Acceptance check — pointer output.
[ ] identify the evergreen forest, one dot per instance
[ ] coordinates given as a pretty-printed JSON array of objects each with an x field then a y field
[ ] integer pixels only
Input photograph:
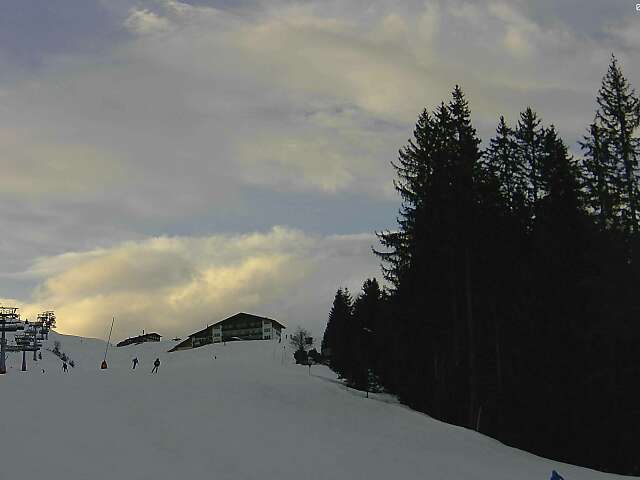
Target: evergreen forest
[{"x": 510, "y": 303}]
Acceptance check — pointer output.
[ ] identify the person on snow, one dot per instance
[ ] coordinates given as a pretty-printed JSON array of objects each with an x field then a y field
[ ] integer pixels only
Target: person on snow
[
  {"x": 156, "y": 364},
  {"x": 39, "y": 355},
  {"x": 556, "y": 476},
  {"x": 64, "y": 367},
  {"x": 135, "y": 363}
]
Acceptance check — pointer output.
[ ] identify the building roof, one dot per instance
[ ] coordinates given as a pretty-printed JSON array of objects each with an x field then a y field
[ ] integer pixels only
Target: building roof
[
  {"x": 237, "y": 316},
  {"x": 200, "y": 333},
  {"x": 138, "y": 339},
  {"x": 244, "y": 315},
  {"x": 207, "y": 331}
]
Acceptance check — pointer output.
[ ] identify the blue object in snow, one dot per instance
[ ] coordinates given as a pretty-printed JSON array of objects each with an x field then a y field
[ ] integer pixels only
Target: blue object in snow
[{"x": 556, "y": 476}]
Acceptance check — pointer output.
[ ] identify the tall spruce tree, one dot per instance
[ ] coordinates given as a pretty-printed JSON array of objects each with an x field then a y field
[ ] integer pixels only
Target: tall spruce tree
[
  {"x": 503, "y": 162},
  {"x": 529, "y": 136},
  {"x": 364, "y": 334},
  {"x": 421, "y": 178},
  {"x": 599, "y": 172},
  {"x": 414, "y": 170},
  {"x": 434, "y": 242},
  {"x": 331, "y": 330},
  {"x": 559, "y": 261},
  {"x": 466, "y": 157},
  {"x": 560, "y": 175},
  {"x": 618, "y": 117},
  {"x": 335, "y": 336}
]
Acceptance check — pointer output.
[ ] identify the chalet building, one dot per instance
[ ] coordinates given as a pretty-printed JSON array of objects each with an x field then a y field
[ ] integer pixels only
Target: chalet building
[
  {"x": 241, "y": 326},
  {"x": 146, "y": 337}
]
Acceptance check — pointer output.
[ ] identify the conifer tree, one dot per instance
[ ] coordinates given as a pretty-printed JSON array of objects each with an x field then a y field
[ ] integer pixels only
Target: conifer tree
[
  {"x": 431, "y": 258},
  {"x": 618, "y": 117},
  {"x": 414, "y": 170},
  {"x": 363, "y": 333},
  {"x": 502, "y": 213},
  {"x": 599, "y": 171},
  {"x": 331, "y": 330},
  {"x": 529, "y": 136},
  {"x": 559, "y": 174},
  {"x": 422, "y": 241},
  {"x": 503, "y": 162},
  {"x": 335, "y": 336},
  {"x": 466, "y": 154}
]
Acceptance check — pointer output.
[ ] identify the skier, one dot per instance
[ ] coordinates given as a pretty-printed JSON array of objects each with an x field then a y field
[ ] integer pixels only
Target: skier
[
  {"x": 135, "y": 363},
  {"x": 64, "y": 367},
  {"x": 556, "y": 476},
  {"x": 156, "y": 364}
]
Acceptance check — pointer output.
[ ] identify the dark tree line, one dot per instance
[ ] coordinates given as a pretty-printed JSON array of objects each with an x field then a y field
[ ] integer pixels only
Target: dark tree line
[{"x": 512, "y": 305}]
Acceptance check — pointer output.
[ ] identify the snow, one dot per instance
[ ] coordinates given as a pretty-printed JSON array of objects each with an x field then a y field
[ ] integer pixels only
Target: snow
[{"x": 245, "y": 415}]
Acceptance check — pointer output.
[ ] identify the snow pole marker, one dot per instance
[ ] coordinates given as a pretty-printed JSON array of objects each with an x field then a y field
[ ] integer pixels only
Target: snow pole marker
[
  {"x": 103, "y": 366},
  {"x": 3, "y": 342}
]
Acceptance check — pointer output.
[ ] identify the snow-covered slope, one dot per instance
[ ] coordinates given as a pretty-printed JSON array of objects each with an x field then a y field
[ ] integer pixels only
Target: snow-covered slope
[{"x": 244, "y": 415}]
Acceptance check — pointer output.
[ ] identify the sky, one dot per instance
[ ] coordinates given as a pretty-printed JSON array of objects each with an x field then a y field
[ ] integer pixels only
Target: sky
[{"x": 172, "y": 163}]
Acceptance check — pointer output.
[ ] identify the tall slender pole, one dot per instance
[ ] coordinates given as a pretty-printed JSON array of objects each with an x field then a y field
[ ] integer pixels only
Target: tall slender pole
[
  {"x": 104, "y": 362},
  {"x": 24, "y": 360},
  {"x": 3, "y": 341},
  {"x": 109, "y": 340},
  {"x": 35, "y": 343}
]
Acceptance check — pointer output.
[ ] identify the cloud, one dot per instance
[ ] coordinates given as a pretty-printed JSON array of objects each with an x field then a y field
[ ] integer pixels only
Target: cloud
[
  {"x": 178, "y": 284},
  {"x": 369, "y": 66},
  {"x": 627, "y": 33},
  {"x": 296, "y": 163},
  {"x": 234, "y": 93},
  {"x": 336, "y": 150},
  {"x": 43, "y": 169},
  {"x": 143, "y": 21}
]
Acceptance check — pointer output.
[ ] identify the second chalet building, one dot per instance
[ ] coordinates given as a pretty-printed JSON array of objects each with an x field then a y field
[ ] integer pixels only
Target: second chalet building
[
  {"x": 145, "y": 337},
  {"x": 241, "y": 326}
]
